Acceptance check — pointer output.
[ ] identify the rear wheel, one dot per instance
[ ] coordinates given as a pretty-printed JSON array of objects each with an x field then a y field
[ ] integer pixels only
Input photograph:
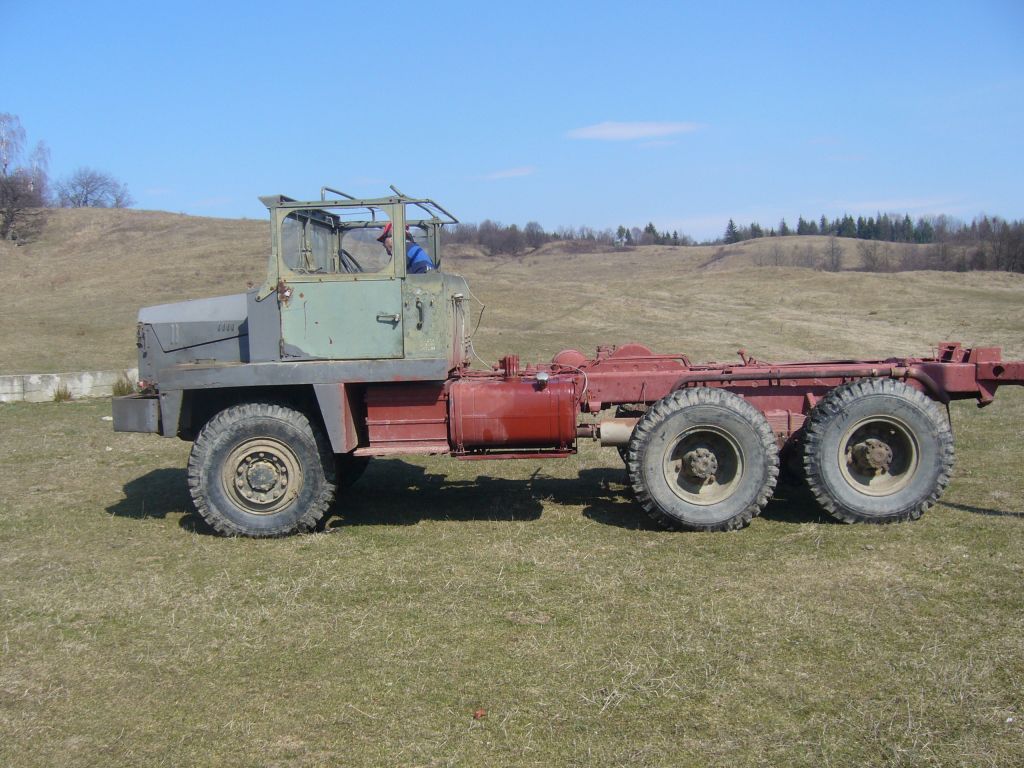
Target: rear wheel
[
  {"x": 878, "y": 451},
  {"x": 261, "y": 469},
  {"x": 703, "y": 460}
]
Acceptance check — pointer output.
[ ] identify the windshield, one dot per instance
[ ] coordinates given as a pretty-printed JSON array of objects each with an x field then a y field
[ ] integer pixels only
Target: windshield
[{"x": 326, "y": 241}]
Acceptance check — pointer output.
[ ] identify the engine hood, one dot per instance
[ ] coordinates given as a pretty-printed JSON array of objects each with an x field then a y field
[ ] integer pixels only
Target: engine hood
[{"x": 200, "y": 321}]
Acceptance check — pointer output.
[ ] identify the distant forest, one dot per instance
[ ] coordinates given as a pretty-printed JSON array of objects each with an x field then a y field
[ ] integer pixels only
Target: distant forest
[{"x": 986, "y": 243}]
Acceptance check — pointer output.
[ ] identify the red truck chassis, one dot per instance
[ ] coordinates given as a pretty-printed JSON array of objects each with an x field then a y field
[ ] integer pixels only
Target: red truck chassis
[
  {"x": 701, "y": 443},
  {"x": 475, "y": 414}
]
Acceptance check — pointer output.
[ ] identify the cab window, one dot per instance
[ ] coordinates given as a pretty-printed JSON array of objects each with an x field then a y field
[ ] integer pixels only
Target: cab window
[{"x": 317, "y": 242}]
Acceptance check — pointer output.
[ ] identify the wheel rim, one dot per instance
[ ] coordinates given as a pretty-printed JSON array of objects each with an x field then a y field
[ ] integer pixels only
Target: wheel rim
[
  {"x": 703, "y": 465},
  {"x": 262, "y": 475},
  {"x": 878, "y": 456}
]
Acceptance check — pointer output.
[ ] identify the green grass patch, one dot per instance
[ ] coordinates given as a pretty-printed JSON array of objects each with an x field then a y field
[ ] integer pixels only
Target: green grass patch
[
  {"x": 123, "y": 386},
  {"x": 62, "y": 393}
]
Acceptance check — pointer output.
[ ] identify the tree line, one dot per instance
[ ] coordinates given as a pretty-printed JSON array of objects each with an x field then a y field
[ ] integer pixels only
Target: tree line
[
  {"x": 883, "y": 241},
  {"x": 497, "y": 238},
  {"x": 892, "y": 228},
  {"x": 26, "y": 189},
  {"x": 986, "y": 243}
]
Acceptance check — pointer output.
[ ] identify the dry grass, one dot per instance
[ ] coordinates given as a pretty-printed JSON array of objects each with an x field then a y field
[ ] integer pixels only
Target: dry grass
[
  {"x": 530, "y": 590},
  {"x": 80, "y": 285}
]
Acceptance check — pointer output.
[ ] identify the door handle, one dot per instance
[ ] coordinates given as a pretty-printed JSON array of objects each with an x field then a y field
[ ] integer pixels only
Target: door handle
[
  {"x": 383, "y": 317},
  {"x": 419, "y": 313}
]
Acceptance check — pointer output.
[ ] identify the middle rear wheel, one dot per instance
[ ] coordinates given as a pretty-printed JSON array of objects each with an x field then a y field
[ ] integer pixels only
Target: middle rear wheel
[{"x": 703, "y": 460}]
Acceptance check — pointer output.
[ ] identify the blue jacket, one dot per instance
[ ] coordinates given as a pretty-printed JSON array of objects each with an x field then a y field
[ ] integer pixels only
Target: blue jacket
[{"x": 417, "y": 261}]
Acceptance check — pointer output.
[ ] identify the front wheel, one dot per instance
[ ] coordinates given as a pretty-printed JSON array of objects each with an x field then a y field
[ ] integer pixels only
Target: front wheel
[
  {"x": 261, "y": 469},
  {"x": 703, "y": 460},
  {"x": 877, "y": 451}
]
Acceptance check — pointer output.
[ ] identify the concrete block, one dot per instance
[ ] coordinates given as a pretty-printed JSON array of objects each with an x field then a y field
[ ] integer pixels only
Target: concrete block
[{"x": 40, "y": 387}]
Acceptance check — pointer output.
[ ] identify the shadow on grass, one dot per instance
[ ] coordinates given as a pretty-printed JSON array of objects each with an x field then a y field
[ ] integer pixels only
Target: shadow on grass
[
  {"x": 394, "y": 492},
  {"x": 982, "y": 510},
  {"x": 793, "y": 502},
  {"x": 158, "y": 493}
]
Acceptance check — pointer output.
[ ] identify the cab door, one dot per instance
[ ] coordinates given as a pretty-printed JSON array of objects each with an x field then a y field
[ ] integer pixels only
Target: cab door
[
  {"x": 334, "y": 304},
  {"x": 343, "y": 320}
]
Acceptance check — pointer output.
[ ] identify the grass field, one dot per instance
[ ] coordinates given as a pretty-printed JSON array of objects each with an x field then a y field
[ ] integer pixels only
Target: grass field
[{"x": 512, "y": 613}]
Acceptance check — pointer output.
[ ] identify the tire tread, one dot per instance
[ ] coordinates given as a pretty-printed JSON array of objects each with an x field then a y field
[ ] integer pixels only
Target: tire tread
[
  {"x": 672, "y": 404},
  {"x": 833, "y": 404},
  {"x": 200, "y": 457}
]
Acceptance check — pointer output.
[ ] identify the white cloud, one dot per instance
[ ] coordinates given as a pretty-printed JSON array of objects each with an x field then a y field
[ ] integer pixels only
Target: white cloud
[
  {"x": 512, "y": 173},
  {"x": 611, "y": 131}
]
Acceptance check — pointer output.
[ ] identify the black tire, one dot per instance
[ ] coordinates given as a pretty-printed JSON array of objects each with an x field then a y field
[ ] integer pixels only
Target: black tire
[
  {"x": 877, "y": 451},
  {"x": 260, "y": 470},
  {"x": 349, "y": 468},
  {"x": 703, "y": 460}
]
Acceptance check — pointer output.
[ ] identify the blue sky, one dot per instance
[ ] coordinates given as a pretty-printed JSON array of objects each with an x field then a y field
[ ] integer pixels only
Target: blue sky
[{"x": 568, "y": 114}]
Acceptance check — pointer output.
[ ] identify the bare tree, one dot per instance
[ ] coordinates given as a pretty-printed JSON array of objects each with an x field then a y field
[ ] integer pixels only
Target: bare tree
[
  {"x": 535, "y": 234},
  {"x": 871, "y": 255},
  {"x": 23, "y": 181},
  {"x": 89, "y": 188},
  {"x": 489, "y": 235},
  {"x": 12, "y": 141},
  {"x": 833, "y": 255},
  {"x": 806, "y": 257}
]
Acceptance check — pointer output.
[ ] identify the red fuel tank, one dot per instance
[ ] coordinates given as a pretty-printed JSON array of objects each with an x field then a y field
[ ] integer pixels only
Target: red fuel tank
[{"x": 512, "y": 413}]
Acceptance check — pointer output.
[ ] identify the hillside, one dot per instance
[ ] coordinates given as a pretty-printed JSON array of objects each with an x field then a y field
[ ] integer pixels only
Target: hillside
[{"x": 73, "y": 295}]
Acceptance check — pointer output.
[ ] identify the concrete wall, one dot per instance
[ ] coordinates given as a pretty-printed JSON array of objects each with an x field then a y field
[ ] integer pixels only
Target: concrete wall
[{"x": 39, "y": 387}]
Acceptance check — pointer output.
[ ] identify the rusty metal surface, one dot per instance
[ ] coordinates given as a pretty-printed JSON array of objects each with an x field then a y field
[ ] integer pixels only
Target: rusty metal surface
[
  {"x": 538, "y": 407},
  {"x": 513, "y": 413},
  {"x": 409, "y": 415}
]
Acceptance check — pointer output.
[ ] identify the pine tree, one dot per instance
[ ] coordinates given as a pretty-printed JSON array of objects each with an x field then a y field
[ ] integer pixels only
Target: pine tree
[{"x": 732, "y": 235}]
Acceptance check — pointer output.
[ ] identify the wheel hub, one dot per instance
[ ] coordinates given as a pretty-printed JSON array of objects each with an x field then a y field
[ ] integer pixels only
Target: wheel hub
[
  {"x": 700, "y": 464},
  {"x": 703, "y": 465},
  {"x": 262, "y": 475},
  {"x": 878, "y": 455},
  {"x": 262, "y": 478},
  {"x": 872, "y": 456}
]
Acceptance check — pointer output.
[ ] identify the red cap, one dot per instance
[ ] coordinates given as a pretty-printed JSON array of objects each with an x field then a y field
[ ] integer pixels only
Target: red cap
[{"x": 387, "y": 232}]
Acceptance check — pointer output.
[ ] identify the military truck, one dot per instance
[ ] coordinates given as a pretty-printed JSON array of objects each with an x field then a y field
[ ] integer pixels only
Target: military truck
[{"x": 340, "y": 355}]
